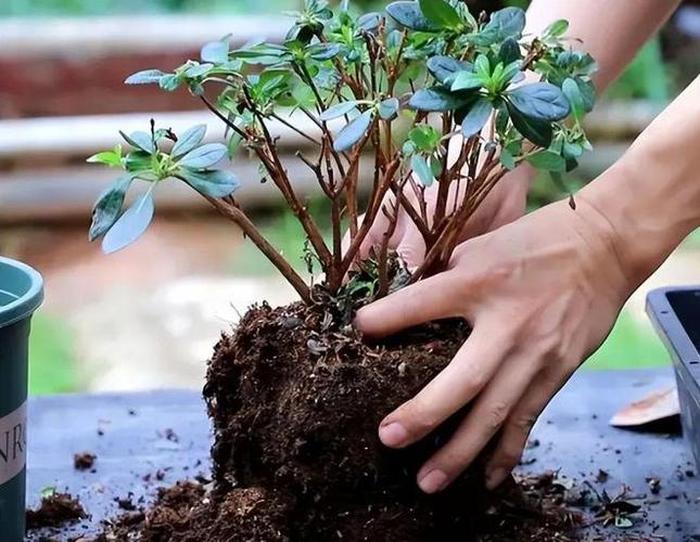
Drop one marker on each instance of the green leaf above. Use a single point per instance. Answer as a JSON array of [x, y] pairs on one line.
[[540, 101], [325, 51], [215, 52], [338, 110], [506, 23], [436, 99], [466, 80], [441, 13], [389, 108], [422, 169], [425, 137], [109, 158], [353, 132], [106, 210], [170, 82], [557, 28], [130, 226], [145, 77], [623, 522], [189, 140], [409, 14], [507, 159], [547, 160], [444, 68], [370, 21], [140, 140], [588, 93], [537, 131], [198, 70], [573, 94], [138, 161], [509, 51], [482, 67], [204, 156], [477, 117], [216, 183]]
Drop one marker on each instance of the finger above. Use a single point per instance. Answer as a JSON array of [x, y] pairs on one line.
[[484, 420], [430, 299], [472, 367], [516, 430]]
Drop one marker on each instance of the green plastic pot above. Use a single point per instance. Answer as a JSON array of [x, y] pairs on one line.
[[21, 293]]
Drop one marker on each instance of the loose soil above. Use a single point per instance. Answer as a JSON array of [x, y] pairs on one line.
[[55, 510], [295, 402], [84, 461]]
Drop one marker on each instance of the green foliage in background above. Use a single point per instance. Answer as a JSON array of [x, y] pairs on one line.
[[51, 357]]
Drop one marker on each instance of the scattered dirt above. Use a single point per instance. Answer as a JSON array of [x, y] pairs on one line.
[[55, 510], [296, 401], [84, 461]]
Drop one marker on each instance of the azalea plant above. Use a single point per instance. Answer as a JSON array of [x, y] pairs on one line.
[[398, 89]]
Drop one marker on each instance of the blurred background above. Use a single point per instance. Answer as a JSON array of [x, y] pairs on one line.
[[149, 316]]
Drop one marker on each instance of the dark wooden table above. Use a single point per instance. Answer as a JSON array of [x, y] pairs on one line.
[[164, 436]]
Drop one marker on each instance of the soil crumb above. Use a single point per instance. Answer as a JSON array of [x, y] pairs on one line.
[[295, 401], [84, 461], [55, 510]]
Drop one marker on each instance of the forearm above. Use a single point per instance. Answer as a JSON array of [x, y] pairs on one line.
[[651, 197], [612, 32]]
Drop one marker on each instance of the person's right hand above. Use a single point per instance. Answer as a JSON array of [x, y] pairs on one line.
[[504, 204]]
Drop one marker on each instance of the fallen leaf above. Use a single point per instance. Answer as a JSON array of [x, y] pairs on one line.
[[657, 406]]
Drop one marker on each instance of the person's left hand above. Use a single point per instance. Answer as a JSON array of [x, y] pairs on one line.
[[541, 294]]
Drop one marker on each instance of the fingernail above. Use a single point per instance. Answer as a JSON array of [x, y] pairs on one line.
[[495, 478], [393, 434], [434, 481]]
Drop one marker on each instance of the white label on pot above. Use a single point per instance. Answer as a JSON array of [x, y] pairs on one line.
[[13, 443]]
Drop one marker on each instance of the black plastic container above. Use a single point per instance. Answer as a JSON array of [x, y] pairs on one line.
[[675, 312]]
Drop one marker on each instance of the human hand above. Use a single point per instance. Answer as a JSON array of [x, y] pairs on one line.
[[541, 294], [504, 204]]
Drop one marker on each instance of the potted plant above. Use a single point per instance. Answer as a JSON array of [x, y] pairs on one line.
[[294, 393], [21, 293]]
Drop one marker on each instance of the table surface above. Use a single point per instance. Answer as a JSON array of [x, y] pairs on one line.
[[165, 435]]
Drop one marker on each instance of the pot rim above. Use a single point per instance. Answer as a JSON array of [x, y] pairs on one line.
[[27, 301]]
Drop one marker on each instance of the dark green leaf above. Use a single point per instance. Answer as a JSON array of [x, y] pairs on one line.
[[408, 14], [571, 150], [444, 68], [215, 52], [540, 101], [215, 183], [145, 77], [130, 226], [204, 156], [509, 51], [477, 117], [353, 132], [189, 140], [370, 21], [547, 160], [537, 131], [389, 108], [139, 140], [338, 110], [325, 51], [441, 13], [108, 207], [573, 94], [466, 80], [588, 93], [138, 161], [436, 99], [422, 169], [506, 23]]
